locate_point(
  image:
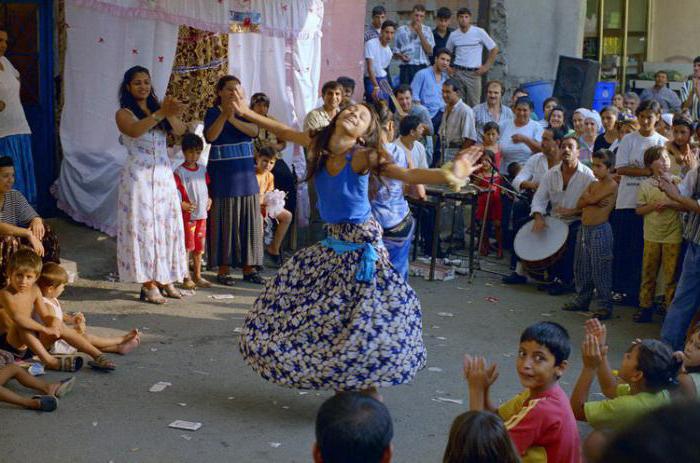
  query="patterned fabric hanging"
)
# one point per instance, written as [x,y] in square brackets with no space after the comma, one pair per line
[200,60]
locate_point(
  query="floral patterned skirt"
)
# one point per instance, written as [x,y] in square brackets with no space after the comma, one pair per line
[316,327]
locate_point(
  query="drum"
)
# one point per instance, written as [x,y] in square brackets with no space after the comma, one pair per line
[539,251]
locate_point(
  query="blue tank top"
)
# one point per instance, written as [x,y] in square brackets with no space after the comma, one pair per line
[389,205]
[343,198]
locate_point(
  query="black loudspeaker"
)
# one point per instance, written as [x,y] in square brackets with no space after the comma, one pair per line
[576,82]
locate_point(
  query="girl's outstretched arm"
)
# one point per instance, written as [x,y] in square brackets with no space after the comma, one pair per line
[465,163]
[282,131]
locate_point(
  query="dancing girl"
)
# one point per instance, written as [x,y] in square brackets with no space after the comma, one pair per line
[338,315]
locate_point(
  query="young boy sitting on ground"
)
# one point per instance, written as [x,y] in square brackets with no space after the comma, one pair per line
[47,402]
[649,369]
[539,419]
[52,282]
[21,300]
[265,159]
[594,243]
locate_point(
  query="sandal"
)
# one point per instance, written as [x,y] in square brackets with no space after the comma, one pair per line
[69,363]
[603,313]
[202,283]
[152,295]
[254,278]
[102,363]
[66,385]
[170,291]
[226,280]
[188,284]
[643,315]
[48,403]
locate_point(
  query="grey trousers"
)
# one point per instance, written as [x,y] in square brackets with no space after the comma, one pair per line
[470,82]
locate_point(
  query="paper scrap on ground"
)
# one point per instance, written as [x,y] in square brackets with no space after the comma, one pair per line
[445,314]
[435,369]
[274,445]
[492,299]
[545,314]
[186,437]
[441,338]
[222,296]
[238,329]
[187,292]
[182,404]
[159,386]
[450,401]
[186,425]
[488,284]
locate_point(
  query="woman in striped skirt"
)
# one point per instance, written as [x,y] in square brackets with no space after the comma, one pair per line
[235,224]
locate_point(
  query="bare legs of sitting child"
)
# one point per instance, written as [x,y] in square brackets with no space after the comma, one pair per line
[47,390]
[284,220]
[117,344]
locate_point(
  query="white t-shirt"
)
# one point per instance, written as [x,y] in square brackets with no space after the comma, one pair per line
[630,153]
[12,120]
[418,155]
[380,56]
[467,47]
[517,152]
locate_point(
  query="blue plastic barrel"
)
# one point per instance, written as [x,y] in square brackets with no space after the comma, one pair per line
[539,91]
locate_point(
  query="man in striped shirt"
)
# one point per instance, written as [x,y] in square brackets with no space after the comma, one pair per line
[685,302]
[691,90]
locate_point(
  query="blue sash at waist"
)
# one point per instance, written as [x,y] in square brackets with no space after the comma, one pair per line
[369,256]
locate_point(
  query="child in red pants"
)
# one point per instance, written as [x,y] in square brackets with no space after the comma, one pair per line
[192,179]
[487,180]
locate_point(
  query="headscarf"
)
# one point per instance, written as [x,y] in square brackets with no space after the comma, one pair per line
[591,114]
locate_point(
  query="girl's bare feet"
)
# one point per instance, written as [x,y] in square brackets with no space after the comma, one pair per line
[131,342]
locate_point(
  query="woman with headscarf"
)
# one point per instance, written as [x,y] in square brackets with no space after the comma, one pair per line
[591,128]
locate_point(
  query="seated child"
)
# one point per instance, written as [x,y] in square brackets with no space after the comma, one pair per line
[265,160]
[594,242]
[191,180]
[52,282]
[483,179]
[690,379]
[648,370]
[479,436]
[46,402]
[539,420]
[23,335]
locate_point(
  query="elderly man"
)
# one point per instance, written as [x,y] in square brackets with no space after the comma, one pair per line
[631,102]
[660,92]
[492,110]
[414,45]
[467,44]
[457,129]
[561,188]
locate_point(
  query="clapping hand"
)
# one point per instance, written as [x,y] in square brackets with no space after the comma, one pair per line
[478,373]
[171,107]
[591,352]
[238,101]
[599,332]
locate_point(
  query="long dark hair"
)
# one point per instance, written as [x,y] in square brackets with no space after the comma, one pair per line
[318,151]
[221,84]
[477,437]
[126,99]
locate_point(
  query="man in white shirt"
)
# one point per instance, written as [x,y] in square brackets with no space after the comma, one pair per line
[457,129]
[560,188]
[526,183]
[377,58]
[414,45]
[466,44]
[332,94]
[410,131]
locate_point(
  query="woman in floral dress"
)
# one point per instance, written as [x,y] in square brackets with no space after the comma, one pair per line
[338,315]
[150,244]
